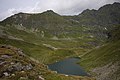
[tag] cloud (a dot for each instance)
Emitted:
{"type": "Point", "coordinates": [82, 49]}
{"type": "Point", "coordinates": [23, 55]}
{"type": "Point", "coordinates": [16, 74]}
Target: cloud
{"type": "Point", "coordinates": [63, 7]}
{"type": "Point", "coordinates": [70, 7]}
{"type": "Point", "coordinates": [12, 11]}
{"type": "Point", "coordinates": [7, 13]}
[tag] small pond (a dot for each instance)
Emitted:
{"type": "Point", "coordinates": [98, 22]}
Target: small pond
{"type": "Point", "coordinates": [68, 66]}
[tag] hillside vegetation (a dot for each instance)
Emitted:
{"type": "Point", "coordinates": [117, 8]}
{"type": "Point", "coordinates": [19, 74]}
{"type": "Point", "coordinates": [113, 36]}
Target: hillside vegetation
{"type": "Point", "coordinates": [15, 65]}
{"type": "Point", "coordinates": [105, 58]}
{"type": "Point", "coordinates": [48, 37]}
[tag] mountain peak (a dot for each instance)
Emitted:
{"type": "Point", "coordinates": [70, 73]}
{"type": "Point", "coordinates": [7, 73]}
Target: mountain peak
{"type": "Point", "coordinates": [88, 11]}
{"type": "Point", "coordinates": [116, 3]}
{"type": "Point", "coordinates": [109, 6]}
{"type": "Point", "coordinates": [50, 12]}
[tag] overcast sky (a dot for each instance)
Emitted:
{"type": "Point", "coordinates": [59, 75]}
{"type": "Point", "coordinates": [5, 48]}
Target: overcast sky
{"type": "Point", "coordinates": [63, 7]}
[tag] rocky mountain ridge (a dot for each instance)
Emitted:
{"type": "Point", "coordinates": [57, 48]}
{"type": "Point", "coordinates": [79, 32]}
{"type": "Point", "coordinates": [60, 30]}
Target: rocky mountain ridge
{"type": "Point", "coordinates": [48, 37]}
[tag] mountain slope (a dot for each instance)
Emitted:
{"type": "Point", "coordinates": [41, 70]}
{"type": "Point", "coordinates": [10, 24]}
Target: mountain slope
{"type": "Point", "coordinates": [15, 65]}
{"type": "Point", "coordinates": [50, 24]}
{"type": "Point", "coordinates": [105, 58]}
{"type": "Point", "coordinates": [48, 37]}
{"type": "Point", "coordinates": [47, 21]}
{"type": "Point", "coordinates": [107, 15]}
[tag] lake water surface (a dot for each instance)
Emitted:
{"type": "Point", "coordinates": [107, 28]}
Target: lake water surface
{"type": "Point", "coordinates": [68, 67]}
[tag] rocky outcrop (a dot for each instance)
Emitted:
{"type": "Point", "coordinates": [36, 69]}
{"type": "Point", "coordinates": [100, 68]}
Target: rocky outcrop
{"type": "Point", "coordinates": [49, 46]}
{"type": "Point", "coordinates": [14, 64]}
{"type": "Point", "coordinates": [108, 72]}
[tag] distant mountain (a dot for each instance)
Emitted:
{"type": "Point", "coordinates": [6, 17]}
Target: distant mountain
{"type": "Point", "coordinates": [107, 15]}
{"type": "Point", "coordinates": [90, 23]}
{"type": "Point", "coordinates": [45, 19]}
{"type": "Point", "coordinates": [104, 16]}
{"type": "Point", "coordinates": [50, 22]}
{"type": "Point", "coordinates": [95, 23]}
{"type": "Point", "coordinates": [49, 37]}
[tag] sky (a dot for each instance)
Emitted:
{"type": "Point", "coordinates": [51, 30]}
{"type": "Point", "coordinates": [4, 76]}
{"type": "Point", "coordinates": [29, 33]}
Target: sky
{"type": "Point", "coordinates": [62, 7]}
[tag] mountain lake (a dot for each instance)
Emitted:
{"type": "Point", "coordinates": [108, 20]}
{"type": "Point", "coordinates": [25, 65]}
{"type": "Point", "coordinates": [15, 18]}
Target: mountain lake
{"type": "Point", "coordinates": [68, 66]}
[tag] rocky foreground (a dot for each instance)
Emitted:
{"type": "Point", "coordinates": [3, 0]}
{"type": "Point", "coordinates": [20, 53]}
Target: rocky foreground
{"type": "Point", "coordinates": [14, 65]}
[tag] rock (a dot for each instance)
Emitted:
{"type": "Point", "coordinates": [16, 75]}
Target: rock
{"type": "Point", "coordinates": [28, 67]}
{"type": "Point", "coordinates": [9, 47]}
{"type": "Point", "coordinates": [2, 63]}
{"type": "Point", "coordinates": [3, 46]}
{"type": "Point", "coordinates": [66, 75]}
{"type": "Point", "coordinates": [41, 78]}
{"type": "Point", "coordinates": [5, 56]}
{"type": "Point", "coordinates": [55, 71]}
{"type": "Point", "coordinates": [23, 71]}
{"type": "Point", "coordinates": [6, 74]}
{"type": "Point", "coordinates": [108, 72]}
{"type": "Point", "coordinates": [12, 74]}
{"type": "Point", "coordinates": [12, 63]}
{"type": "Point", "coordinates": [10, 69]}
{"type": "Point", "coordinates": [23, 78]}
{"type": "Point", "coordinates": [18, 66]}
{"type": "Point", "coordinates": [21, 53]}
{"type": "Point", "coordinates": [51, 47]}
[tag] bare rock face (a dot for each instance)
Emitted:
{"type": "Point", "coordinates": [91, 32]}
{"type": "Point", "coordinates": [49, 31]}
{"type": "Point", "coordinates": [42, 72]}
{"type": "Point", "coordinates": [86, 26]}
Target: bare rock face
{"type": "Point", "coordinates": [108, 72]}
{"type": "Point", "coordinates": [5, 56]}
{"type": "Point", "coordinates": [6, 74]}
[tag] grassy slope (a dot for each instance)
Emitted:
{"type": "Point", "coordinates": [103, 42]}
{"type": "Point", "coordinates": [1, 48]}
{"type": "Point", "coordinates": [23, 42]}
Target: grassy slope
{"type": "Point", "coordinates": [101, 56]}
{"type": "Point", "coordinates": [32, 74]}
{"type": "Point", "coordinates": [42, 53]}
{"type": "Point", "coordinates": [103, 62]}
{"type": "Point", "coordinates": [39, 52]}
{"type": "Point", "coordinates": [110, 52]}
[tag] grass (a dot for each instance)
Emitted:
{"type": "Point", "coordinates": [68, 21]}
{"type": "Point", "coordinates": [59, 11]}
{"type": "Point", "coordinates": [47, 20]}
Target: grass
{"type": "Point", "coordinates": [101, 56]}
{"type": "Point", "coordinates": [39, 52]}
{"type": "Point", "coordinates": [32, 45]}
{"type": "Point", "coordinates": [38, 69]}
